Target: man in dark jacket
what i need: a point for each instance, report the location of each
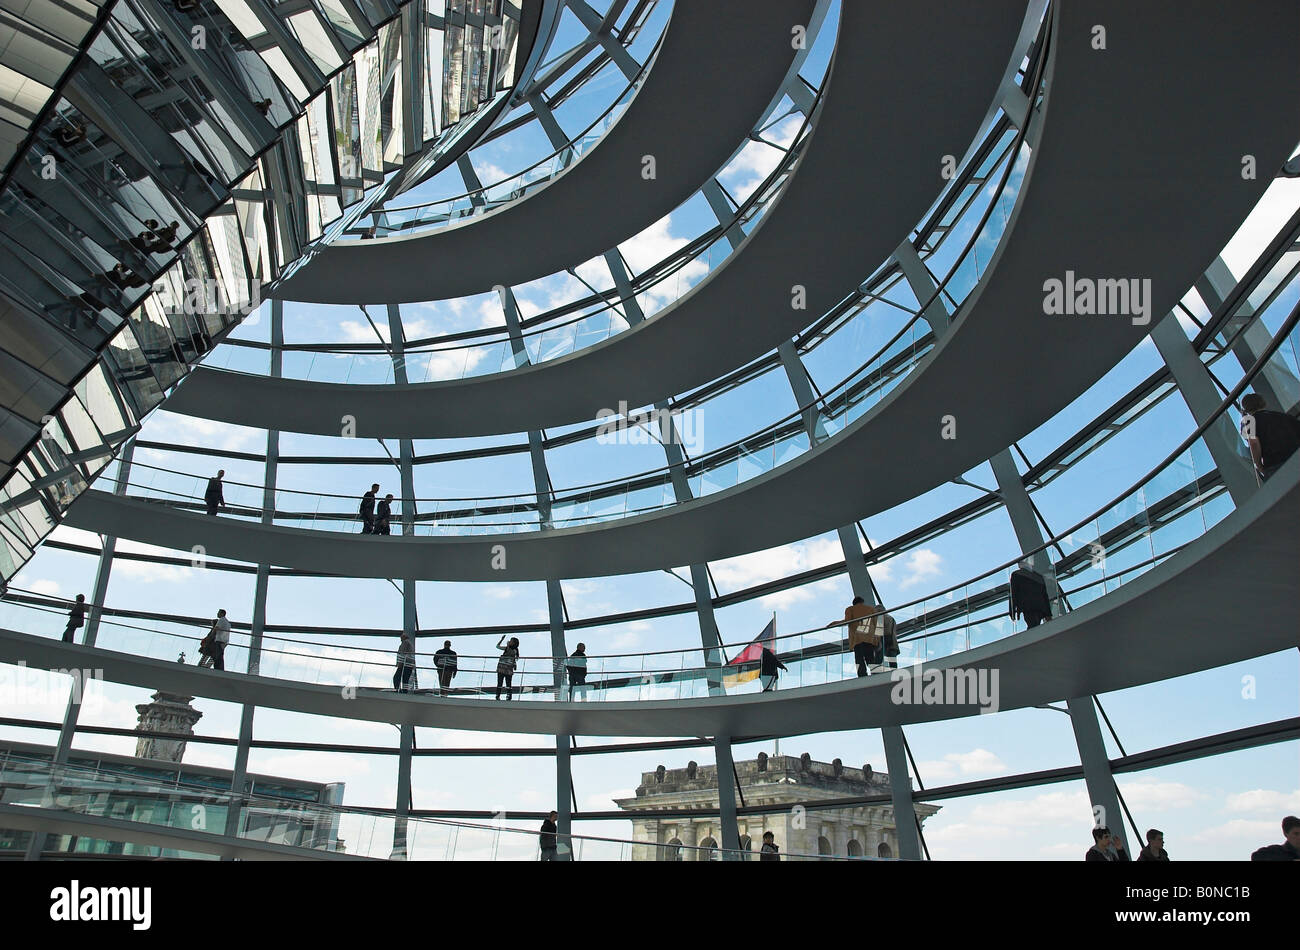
(1105, 847)
(1155, 847)
(1288, 850)
(1029, 595)
(770, 851)
(445, 662)
(384, 516)
(213, 496)
(768, 664)
(368, 510)
(546, 838)
(1272, 436)
(76, 618)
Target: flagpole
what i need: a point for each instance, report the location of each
(776, 751)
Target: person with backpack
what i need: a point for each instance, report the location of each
(1272, 436)
(445, 662)
(884, 626)
(213, 646)
(76, 618)
(506, 664)
(576, 667)
(864, 644)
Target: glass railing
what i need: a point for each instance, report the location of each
(981, 223)
(193, 189)
(938, 625)
(1177, 502)
(660, 287)
(136, 799)
(428, 216)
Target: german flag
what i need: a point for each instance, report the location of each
(746, 661)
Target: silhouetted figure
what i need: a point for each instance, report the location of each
(76, 618)
(864, 644)
(122, 276)
(384, 516)
(144, 241)
(1154, 850)
(547, 837)
(445, 662)
(1288, 850)
(263, 106)
(405, 663)
(1272, 436)
(506, 664)
(156, 238)
(1105, 847)
(70, 135)
(770, 851)
(214, 496)
(768, 665)
(576, 667)
(368, 510)
(1029, 595)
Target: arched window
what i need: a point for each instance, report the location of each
(824, 847)
(884, 851)
(710, 852)
(855, 849)
(672, 851)
(746, 847)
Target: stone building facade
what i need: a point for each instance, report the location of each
(865, 831)
(167, 713)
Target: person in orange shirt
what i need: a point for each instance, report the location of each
(863, 642)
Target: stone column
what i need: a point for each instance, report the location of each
(690, 835)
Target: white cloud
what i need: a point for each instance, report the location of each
(919, 565)
(1146, 794)
(625, 637)
(604, 801)
(1264, 801)
(759, 567)
(176, 429)
(757, 160)
(314, 766)
(1280, 201)
(149, 573)
(1056, 808)
(773, 563)
(977, 762)
(41, 586)
(69, 535)
(653, 245)
(1242, 831)
(469, 739)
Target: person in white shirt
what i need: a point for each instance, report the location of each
(220, 637)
